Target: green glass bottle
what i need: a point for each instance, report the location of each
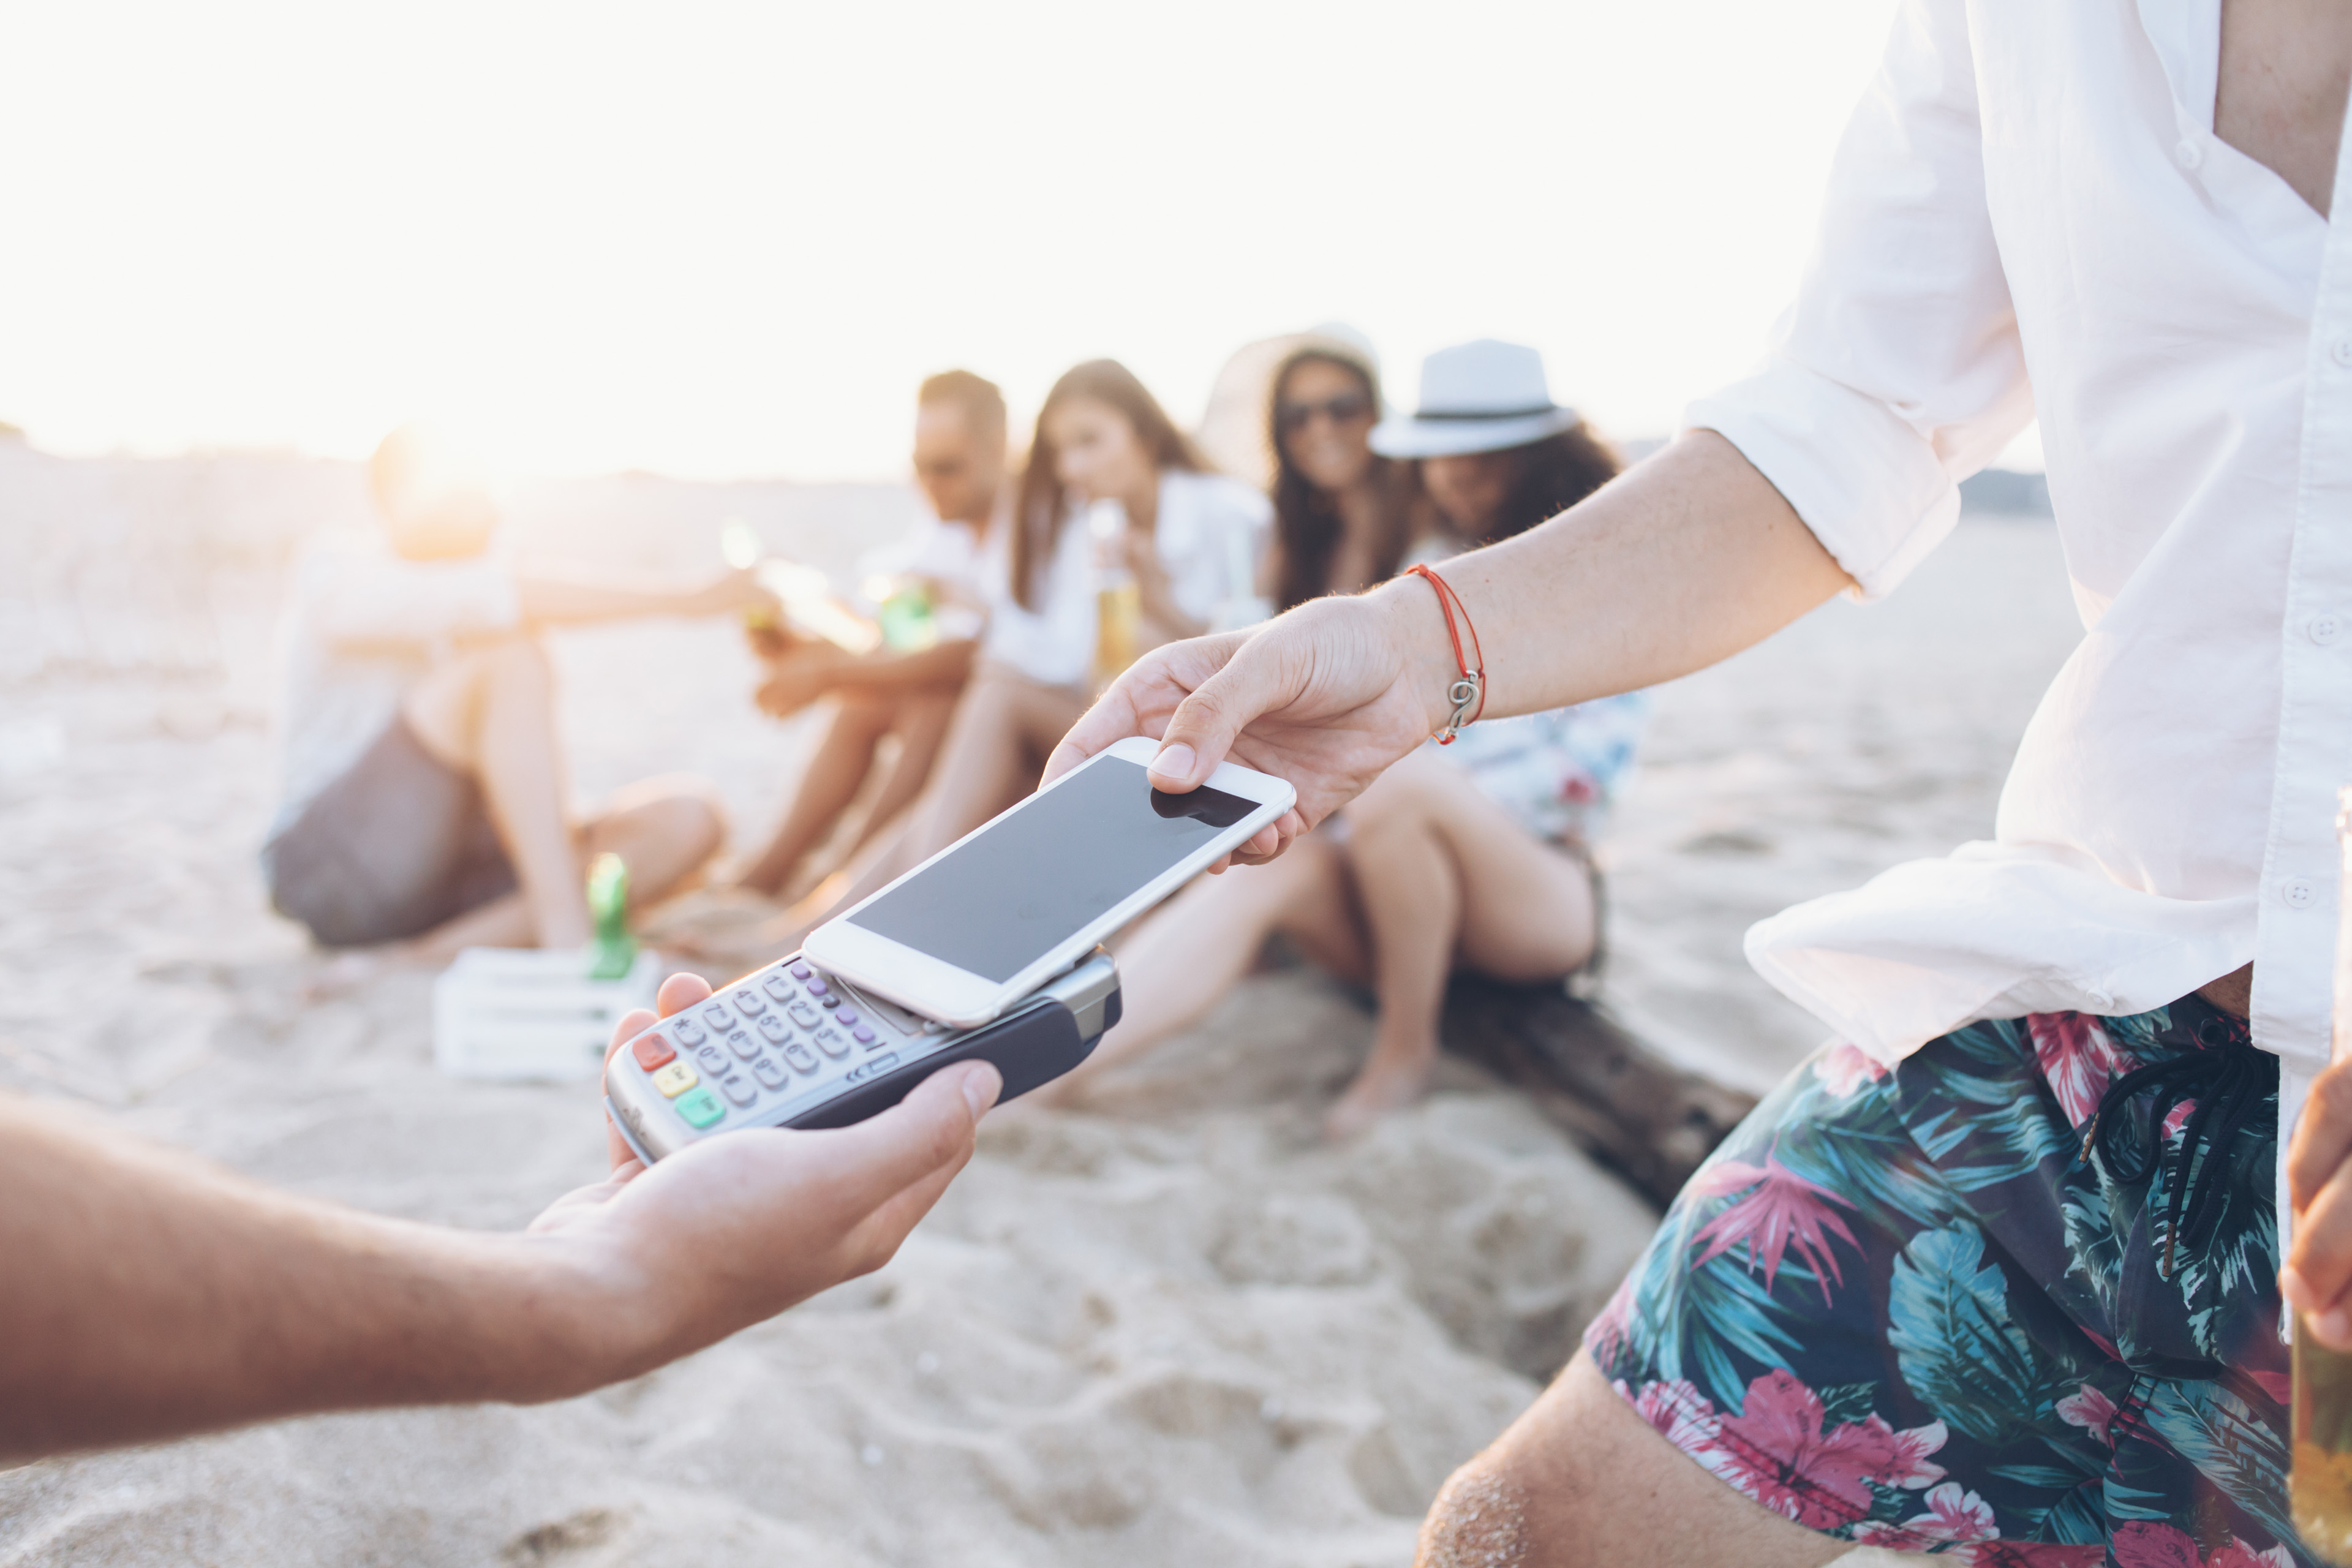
(613, 952)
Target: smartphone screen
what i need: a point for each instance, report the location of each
(1032, 879)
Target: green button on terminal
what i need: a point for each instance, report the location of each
(699, 1107)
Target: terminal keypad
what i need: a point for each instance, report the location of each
(775, 1035)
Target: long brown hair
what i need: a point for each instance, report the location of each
(1307, 527)
(1554, 474)
(1043, 503)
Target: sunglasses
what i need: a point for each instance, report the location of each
(1344, 409)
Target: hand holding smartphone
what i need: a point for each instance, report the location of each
(987, 951)
(987, 920)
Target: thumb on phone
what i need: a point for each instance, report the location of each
(1206, 723)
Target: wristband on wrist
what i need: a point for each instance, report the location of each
(1469, 692)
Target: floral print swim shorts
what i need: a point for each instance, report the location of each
(1906, 1308)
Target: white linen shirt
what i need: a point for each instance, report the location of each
(2030, 211)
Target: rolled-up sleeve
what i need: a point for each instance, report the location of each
(1897, 371)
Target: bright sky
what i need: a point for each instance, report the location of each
(727, 241)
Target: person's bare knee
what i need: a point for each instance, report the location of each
(664, 829)
(1581, 1478)
(445, 711)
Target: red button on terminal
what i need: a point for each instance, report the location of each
(652, 1051)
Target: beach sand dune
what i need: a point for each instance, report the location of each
(1171, 1330)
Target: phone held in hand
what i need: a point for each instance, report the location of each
(985, 952)
(980, 925)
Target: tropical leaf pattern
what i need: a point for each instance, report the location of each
(1900, 1307)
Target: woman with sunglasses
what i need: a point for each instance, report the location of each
(1343, 514)
(1470, 857)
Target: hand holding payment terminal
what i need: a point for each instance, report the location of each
(987, 951)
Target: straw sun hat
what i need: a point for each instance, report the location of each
(1485, 397)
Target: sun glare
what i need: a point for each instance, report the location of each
(728, 241)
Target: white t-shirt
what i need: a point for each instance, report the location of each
(361, 627)
(948, 554)
(1209, 533)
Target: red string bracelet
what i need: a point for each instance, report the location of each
(1470, 686)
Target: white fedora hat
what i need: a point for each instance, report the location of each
(1484, 397)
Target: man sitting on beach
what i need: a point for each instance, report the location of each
(905, 697)
(1999, 1273)
(148, 1295)
(424, 800)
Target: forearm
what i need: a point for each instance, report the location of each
(941, 664)
(559, 601)
(1683, 562)
(147, 1295)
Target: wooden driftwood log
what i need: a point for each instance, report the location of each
(1623, 1102)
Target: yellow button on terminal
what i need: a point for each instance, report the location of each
(674, 1080)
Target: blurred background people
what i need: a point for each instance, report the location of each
(1473, 855)
(1343, 514)
(424, 800)
(901, 698)
(1112, 491)
(1495, 455)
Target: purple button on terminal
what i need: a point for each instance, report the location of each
(845, 1016)
(799, 971)
(865, 1035)
(816, 986)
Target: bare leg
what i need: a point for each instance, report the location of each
(490, 713)
(1446, 876)
(1581, 1478)
(826, 788)
(922, 727)
(1182, 960)
(663, 829)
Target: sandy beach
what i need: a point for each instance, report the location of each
(1174, 1329)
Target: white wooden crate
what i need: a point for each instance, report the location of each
(520, 1013)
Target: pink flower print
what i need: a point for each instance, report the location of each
(2077, 1057)
(2177, 1117)
(2145, 1543)
(1605, 1335)
(1776, 1452)
(1954, 1514)
(2277, 1385)
(1578, 789)
(2091, 1410)
(1783, 1211)
(1845, 1067)
(2027, 1554)
(1688, 1417)
(1909, 1469)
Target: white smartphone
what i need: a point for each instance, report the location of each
(996, 914)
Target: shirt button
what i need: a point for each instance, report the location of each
(2298, 893)
(2326, 629)
(2098, 999)
(2189, 154)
